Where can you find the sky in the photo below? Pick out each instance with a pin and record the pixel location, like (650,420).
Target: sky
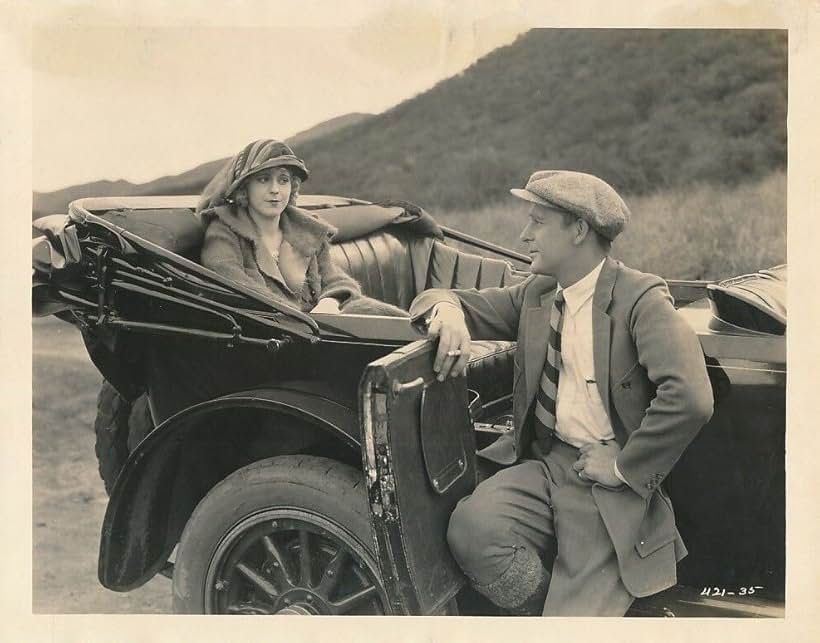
(146,88)
(136,96)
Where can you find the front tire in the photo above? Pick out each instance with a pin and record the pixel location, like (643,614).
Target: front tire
(289,534)
(118,428)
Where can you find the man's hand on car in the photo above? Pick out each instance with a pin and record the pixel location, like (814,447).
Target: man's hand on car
(447,323)
(597,463)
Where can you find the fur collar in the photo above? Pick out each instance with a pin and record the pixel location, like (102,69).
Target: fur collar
(305,231)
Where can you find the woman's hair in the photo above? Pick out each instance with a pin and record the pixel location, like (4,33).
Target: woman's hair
(240,195)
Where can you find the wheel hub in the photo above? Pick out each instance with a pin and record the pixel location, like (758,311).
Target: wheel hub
(305,599)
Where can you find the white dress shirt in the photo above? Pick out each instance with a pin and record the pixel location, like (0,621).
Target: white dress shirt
(581,417)
(580,414)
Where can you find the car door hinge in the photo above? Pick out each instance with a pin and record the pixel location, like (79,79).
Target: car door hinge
(387,484)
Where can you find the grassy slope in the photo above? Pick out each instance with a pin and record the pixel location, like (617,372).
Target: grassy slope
(698,232)
(708,232)
(643,109)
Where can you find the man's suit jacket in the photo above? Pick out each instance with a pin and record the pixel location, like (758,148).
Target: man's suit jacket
(652,378)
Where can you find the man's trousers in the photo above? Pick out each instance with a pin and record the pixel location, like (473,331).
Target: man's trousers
(523,512)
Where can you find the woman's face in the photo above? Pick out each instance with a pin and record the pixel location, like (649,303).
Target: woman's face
(269,191)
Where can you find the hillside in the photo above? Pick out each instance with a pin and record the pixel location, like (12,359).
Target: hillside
(644,109)
(190,182)
(327,127)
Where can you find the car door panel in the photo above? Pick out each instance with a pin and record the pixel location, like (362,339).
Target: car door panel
(419,459)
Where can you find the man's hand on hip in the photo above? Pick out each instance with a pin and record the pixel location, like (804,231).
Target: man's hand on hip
(597,463)
(447,323)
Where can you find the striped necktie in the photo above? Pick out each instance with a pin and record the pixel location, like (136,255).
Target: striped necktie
(545,398)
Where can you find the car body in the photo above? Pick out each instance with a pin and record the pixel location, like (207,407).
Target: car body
(246,394)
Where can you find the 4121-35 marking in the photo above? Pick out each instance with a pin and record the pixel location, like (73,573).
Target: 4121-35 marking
(722,591)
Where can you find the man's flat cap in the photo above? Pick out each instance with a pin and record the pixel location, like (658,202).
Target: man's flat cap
(583,195)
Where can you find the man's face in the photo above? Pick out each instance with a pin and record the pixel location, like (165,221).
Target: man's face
(548,239)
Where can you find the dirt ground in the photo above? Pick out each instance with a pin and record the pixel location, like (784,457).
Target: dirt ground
(68,496)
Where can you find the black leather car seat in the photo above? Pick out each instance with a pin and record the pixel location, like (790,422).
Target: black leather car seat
(395,268)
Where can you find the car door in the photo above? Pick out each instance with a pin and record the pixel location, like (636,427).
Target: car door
(419,461)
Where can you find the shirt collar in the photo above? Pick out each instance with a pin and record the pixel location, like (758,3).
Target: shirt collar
(578,293)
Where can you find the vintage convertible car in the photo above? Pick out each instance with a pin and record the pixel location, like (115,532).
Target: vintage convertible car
(272,461)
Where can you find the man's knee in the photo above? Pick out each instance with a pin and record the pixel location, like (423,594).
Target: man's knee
(510,575)
(472,532)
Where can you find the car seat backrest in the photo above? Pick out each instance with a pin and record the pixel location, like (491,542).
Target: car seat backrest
(395,267)
(381,263)
(452,268)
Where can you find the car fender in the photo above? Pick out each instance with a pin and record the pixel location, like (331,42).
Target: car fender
(153,496)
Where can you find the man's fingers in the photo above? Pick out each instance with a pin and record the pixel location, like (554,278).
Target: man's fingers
(449,365)
(445,355)
(452,353)
(442,353)
(460,366)
(577,465)
(434,328)
(453,350)
(445,369)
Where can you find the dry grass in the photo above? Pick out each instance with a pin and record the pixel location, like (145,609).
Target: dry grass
(65,381)
(68,497)
(700,232)
(64,403)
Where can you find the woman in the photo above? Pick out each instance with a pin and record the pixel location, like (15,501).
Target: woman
(257,237)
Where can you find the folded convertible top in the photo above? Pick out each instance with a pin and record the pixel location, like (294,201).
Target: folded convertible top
(755,302)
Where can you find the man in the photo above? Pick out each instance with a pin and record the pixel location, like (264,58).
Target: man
(610,387)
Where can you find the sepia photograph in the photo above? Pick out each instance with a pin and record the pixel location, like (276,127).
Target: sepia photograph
(408,310)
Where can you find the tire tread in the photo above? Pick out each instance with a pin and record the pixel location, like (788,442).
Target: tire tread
(118,427)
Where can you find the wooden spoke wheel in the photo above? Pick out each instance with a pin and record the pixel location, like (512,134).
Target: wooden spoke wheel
(288,535)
